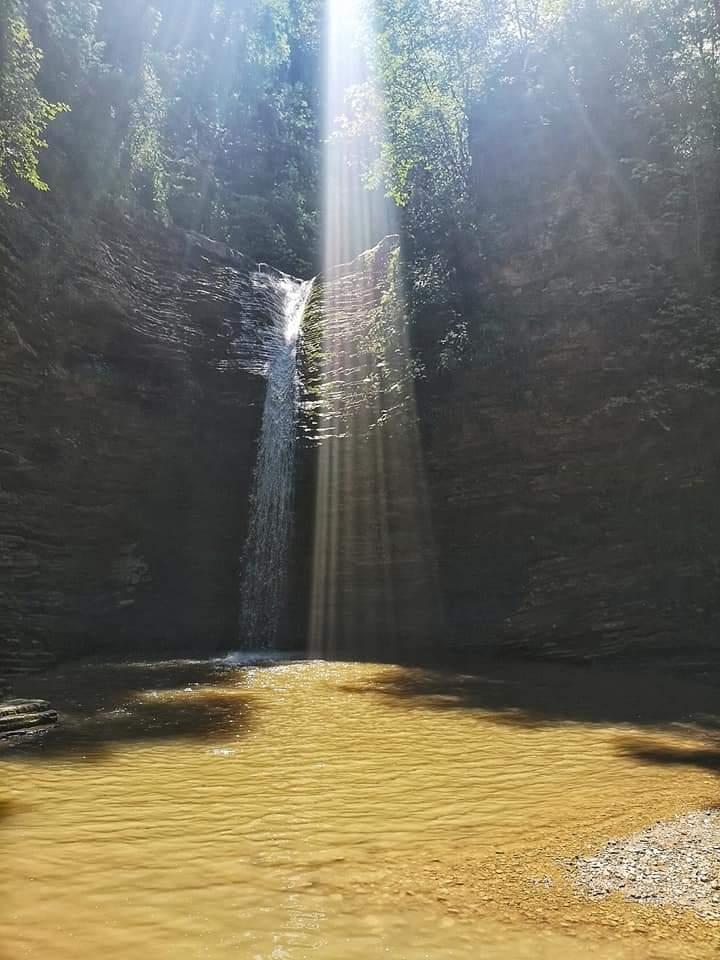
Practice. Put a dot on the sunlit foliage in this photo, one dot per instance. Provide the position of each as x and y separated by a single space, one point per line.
204 113
490 124
25 112
528 141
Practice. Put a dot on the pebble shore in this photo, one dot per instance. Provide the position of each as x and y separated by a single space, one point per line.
673 863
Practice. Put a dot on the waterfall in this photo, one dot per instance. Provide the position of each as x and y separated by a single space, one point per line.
264 578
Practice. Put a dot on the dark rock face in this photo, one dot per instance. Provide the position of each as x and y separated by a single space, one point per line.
371 587
563 491
130 417
574 467
574 489
557 498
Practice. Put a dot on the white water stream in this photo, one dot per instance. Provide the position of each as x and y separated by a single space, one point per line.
263 587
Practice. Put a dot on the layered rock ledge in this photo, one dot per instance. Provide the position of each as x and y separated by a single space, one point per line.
18 716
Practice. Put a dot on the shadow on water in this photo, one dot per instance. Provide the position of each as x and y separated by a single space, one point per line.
104 704
534 694
680 702
7 808
706 755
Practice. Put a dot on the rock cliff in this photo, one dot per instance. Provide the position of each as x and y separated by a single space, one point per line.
130 403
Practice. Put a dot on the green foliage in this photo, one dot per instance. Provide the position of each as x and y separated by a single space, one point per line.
429 55
25 112
147 160
205 114
545 155
544 144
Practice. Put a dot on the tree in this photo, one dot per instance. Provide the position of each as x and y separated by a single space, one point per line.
204 114
24 112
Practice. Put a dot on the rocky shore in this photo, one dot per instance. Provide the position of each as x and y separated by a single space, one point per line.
672 863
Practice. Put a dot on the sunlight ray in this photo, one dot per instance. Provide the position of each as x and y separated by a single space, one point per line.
373 556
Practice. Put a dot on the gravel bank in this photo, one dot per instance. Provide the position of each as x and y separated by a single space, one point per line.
674 862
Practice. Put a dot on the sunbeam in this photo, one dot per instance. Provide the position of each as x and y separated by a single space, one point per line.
374 584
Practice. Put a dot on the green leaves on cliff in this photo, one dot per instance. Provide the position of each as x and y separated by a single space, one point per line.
515 135
24 112
429 57
566 151
204 113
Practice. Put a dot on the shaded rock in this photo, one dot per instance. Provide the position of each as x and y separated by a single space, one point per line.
131 387
16 716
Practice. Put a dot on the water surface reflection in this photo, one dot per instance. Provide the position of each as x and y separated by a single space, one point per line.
315 810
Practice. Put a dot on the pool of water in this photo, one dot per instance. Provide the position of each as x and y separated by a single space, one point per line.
312 810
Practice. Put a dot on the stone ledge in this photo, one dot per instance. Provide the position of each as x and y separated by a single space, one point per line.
16 716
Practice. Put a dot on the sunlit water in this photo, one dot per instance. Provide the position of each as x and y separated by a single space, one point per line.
327 811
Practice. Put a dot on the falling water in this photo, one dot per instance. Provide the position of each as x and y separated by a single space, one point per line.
265 568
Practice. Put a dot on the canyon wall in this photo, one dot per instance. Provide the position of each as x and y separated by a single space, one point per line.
129 417
556 494
372 588
551 497
574 490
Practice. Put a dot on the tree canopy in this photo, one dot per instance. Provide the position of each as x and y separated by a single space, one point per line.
535 128
204 113
25 112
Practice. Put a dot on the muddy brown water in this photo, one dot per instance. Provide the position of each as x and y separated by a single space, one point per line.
326 811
